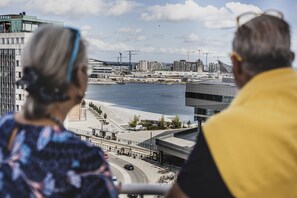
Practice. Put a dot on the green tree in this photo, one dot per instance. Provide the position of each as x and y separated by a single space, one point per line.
134 122
99 110
105 116
162 123
83 103
189 123
176 123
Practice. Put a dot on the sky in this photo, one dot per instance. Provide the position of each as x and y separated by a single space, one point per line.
157 30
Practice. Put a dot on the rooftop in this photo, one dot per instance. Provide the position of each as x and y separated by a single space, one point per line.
22 23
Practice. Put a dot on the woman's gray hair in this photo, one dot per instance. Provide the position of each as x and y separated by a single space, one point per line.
264 44
49 52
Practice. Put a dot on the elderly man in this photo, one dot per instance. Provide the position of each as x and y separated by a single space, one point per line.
250 149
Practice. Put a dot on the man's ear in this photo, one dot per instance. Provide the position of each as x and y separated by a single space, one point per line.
236 66
292 56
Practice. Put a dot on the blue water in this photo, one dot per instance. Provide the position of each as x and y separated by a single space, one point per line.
156 98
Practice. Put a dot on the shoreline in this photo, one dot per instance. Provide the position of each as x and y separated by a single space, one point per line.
134 82
123 115
118 117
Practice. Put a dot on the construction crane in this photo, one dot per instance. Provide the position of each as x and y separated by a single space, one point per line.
216 58
120 58
131 53
199 51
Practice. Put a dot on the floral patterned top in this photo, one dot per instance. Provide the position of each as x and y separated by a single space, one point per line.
45 161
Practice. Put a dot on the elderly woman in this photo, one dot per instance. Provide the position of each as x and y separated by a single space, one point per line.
38 156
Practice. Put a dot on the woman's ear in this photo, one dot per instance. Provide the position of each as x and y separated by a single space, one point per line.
80 76
237 71
75 77
79 81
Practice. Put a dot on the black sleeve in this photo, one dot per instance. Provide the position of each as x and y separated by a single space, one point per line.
199 176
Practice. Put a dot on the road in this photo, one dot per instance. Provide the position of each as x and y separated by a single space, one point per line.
136 175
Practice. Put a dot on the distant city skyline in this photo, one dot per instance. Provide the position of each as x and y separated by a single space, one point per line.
161 30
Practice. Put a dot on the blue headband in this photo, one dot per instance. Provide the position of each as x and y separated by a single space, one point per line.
74 52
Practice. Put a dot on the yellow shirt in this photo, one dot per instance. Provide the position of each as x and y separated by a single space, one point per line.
254 141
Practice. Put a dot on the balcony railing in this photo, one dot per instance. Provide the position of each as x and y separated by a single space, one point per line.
144 189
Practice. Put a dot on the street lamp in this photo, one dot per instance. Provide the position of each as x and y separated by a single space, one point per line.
151 134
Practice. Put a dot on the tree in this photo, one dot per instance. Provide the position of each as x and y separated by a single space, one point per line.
105 116
83 103
162 123
176 123
134 122
189 123
99 110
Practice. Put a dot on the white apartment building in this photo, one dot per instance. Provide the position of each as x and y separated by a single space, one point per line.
143 65
98 69
15 32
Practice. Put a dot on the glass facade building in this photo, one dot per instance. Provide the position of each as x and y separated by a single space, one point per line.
209 97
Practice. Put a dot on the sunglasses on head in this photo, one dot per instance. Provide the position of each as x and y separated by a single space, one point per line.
247 16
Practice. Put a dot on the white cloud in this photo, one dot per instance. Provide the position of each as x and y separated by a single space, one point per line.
211 16
131 34
98 41
68 7
164 50
127 30
191 38
141 38
86 30
149 49
120 7
4 3
99 44
76 8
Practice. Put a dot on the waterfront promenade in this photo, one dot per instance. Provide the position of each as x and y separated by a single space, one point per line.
117 117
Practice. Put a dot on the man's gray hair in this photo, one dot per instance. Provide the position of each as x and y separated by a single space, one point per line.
49 52
264 44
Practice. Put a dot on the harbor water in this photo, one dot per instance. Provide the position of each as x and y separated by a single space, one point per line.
156 98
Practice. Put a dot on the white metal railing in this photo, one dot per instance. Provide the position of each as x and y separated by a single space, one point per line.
145 189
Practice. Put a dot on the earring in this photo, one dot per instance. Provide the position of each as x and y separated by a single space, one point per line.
80 93
79 96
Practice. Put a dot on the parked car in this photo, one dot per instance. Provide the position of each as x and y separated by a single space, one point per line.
129 167
132 195
115 180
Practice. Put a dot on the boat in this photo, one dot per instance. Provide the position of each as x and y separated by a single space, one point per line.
120 82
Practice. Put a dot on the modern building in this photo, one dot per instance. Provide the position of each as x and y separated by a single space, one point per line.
183 65
142 66
208 97
224 68
98 68
154 66
149 66
15 31
119 66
